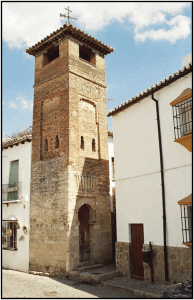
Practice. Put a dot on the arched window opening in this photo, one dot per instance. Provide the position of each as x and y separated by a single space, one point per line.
93 145
46 145
82 142
57 142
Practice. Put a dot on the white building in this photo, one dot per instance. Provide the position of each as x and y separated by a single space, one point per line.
152 177
16 162
112 190
111 169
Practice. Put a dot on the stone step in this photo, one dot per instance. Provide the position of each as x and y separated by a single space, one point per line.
95 274
89 267
85 263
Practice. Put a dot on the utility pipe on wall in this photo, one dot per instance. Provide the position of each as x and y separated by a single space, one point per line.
163 190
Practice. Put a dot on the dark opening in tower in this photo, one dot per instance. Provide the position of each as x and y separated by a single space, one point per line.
50 55
82 142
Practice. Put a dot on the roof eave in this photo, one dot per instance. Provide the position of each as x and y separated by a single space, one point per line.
64 31
16 142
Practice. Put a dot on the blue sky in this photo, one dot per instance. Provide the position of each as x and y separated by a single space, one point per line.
149 39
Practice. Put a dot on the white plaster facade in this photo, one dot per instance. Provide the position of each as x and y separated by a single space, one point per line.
137 167
111 155
18 209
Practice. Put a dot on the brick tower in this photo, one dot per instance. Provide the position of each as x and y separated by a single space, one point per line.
70 217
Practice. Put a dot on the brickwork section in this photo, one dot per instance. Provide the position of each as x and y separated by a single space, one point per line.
179 260
69 103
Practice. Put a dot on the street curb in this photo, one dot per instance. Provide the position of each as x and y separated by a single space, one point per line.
137 293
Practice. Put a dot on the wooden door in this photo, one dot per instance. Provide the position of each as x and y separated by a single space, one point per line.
84 234
137 240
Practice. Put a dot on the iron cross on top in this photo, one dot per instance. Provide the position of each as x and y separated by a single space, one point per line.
61 15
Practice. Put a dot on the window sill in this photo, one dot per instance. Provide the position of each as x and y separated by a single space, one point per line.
185 141
188 245
10 249
84 60
11 201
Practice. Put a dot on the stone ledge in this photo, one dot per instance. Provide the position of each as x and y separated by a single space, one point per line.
40 273
131 291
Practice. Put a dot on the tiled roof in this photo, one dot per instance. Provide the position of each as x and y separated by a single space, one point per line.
15 139
182 72
62 32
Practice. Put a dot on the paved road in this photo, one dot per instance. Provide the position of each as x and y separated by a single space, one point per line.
22 285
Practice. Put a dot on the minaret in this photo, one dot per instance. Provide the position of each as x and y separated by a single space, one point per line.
70 216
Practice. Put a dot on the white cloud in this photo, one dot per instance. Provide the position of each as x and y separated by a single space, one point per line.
24 104
13 105
179 28
26 23
21 103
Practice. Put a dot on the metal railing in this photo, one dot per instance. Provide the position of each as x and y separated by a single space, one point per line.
182 116
11 191
9 235
187 224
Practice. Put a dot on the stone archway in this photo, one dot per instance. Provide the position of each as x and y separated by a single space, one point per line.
84 232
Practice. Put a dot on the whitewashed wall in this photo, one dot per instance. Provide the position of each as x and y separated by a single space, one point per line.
111 154
137 168
19 259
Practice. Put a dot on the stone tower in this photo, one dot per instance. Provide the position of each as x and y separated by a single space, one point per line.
70 217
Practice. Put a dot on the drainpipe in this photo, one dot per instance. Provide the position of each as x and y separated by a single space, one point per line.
163 190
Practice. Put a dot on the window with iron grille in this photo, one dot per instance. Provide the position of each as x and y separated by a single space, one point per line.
186 219
182 116
9 235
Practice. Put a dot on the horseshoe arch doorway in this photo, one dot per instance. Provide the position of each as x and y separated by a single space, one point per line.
84 233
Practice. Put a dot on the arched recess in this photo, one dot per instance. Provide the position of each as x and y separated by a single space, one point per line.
89 126
84 216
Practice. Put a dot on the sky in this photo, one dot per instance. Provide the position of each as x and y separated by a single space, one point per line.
149 40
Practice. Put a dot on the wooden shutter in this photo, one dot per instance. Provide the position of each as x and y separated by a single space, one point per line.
13 179
13 175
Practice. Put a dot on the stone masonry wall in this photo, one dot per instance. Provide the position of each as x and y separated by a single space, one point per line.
122 258
179 261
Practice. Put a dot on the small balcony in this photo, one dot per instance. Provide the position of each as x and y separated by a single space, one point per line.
11 191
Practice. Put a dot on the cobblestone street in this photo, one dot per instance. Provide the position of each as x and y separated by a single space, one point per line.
22 285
